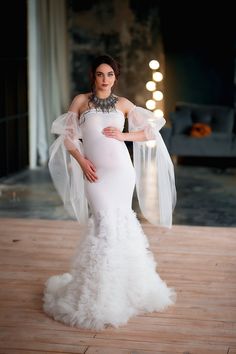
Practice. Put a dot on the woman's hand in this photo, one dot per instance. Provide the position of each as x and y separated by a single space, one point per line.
113 132
89 170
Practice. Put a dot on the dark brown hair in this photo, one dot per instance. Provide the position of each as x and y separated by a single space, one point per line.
104 59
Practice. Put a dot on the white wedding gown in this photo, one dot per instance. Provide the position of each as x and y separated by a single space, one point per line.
113 274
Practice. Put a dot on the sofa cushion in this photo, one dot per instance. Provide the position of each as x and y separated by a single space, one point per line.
233 145
220 118
201 117
181 122
223 122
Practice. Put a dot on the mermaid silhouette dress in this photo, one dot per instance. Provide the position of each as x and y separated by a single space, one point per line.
113 273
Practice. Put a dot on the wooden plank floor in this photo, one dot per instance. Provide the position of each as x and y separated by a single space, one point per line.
200 262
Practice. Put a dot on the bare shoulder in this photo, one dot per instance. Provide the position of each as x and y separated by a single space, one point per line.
125 105
79 103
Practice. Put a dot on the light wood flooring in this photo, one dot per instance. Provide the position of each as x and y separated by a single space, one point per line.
199 262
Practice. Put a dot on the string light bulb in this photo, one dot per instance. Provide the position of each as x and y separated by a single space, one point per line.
155 104
151 104
151 86
158 113
151 143
157 95
154 64
157 76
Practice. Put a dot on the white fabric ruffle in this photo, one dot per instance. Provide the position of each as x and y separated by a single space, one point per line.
113 276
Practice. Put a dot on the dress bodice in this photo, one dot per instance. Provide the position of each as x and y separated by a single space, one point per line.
103 151
110 156
92 122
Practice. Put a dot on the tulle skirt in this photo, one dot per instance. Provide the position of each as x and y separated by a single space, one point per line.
112 278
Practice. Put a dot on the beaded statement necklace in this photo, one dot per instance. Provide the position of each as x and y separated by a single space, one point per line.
104 104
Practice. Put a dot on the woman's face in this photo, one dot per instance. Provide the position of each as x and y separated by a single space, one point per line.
104 77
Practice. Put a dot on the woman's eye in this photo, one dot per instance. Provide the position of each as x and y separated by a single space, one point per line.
110 74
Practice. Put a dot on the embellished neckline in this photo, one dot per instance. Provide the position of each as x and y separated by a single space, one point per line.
104 104
100 111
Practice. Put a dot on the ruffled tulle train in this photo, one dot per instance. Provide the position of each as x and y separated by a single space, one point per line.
113 276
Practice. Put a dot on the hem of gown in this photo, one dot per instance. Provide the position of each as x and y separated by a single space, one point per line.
113 277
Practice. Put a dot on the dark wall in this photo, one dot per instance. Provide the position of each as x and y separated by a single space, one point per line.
13 87
196 47
199 46
128 30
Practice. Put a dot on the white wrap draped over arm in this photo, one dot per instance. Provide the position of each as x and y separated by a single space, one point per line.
155 180
65 171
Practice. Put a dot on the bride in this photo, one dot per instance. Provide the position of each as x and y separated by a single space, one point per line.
113 274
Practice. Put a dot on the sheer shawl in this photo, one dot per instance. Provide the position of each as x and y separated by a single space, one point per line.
155 180
65 171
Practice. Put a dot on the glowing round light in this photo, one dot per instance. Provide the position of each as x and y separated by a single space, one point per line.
154 64
151 104
151 143
151 86
158 113
157 95
157 76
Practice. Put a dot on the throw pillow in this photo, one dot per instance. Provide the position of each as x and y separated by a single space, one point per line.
200 130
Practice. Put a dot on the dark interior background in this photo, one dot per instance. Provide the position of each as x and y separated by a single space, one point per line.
196 47
199 44
13 87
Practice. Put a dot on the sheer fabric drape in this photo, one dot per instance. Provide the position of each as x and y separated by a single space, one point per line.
65 171
155 180
48 72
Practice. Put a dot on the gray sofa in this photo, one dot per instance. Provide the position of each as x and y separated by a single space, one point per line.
220 143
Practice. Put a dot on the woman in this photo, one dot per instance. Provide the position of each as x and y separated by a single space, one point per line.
113 275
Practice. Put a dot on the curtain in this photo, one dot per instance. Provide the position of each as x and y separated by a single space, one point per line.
48 72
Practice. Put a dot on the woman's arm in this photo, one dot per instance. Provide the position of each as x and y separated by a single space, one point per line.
126 107
88 168
115 133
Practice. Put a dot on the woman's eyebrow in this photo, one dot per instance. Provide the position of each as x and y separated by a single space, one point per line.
100 72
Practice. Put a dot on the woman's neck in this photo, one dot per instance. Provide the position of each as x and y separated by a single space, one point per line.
102 94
